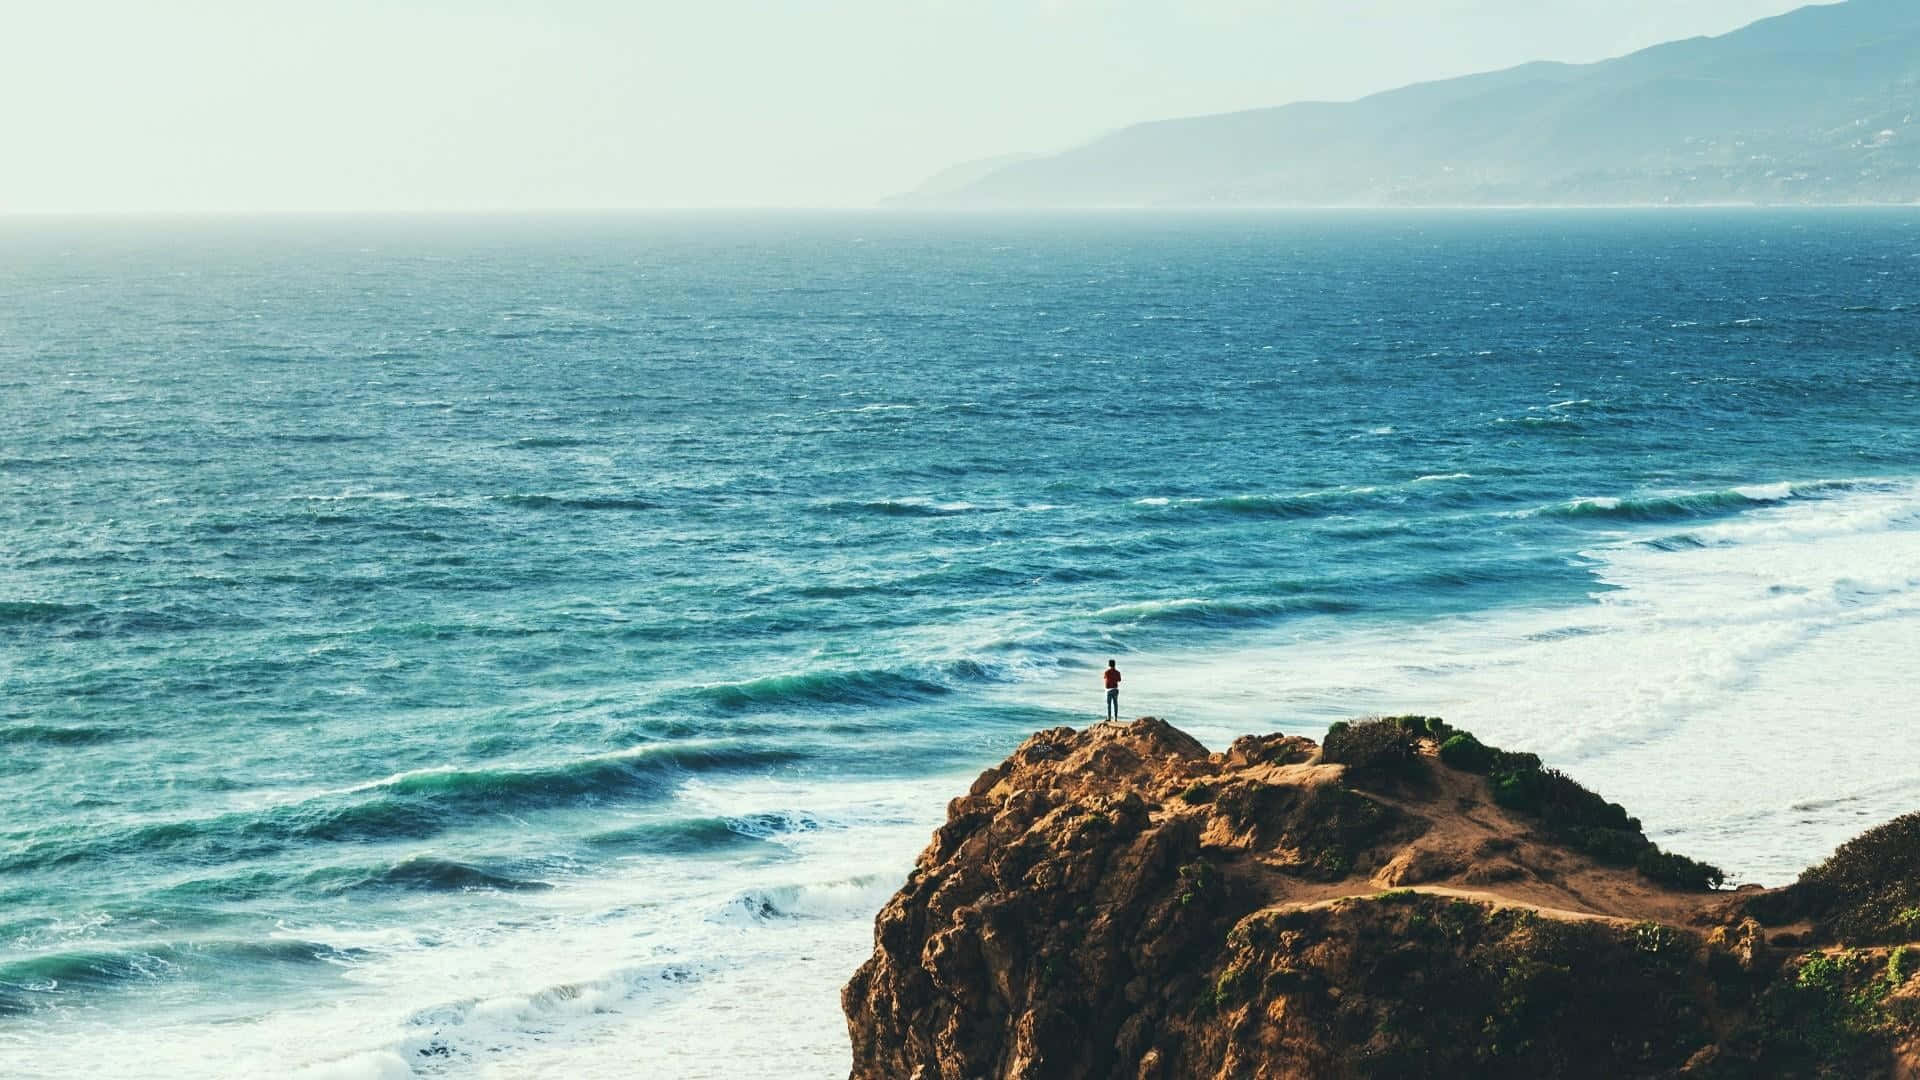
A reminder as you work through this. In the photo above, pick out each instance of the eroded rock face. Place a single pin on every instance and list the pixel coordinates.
(1119, 902)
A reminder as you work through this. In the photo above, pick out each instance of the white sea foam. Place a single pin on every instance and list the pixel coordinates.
(722, 967)
(370, 1065)
(1766, 492)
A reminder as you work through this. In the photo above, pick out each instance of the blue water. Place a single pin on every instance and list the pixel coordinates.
(434, 646)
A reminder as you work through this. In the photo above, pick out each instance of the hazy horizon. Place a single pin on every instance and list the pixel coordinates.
(221, 107)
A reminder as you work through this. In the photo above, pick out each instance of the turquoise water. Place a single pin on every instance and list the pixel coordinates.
(511, 646)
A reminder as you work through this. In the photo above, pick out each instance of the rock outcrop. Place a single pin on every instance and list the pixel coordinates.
(1119, 902)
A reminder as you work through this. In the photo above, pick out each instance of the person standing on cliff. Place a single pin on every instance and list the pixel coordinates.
(1112, 676)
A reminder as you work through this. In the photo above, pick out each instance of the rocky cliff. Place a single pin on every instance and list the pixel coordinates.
(1400, 902)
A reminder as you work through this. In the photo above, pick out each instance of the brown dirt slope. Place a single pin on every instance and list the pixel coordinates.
(1119, 902)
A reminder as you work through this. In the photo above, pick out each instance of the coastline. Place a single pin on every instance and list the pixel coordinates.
(410, 670)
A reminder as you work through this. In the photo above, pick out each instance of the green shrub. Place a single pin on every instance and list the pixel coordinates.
(1379, 748)
(1198, 881)
(1678, 871)
(1574, 815)
(1868, 891)
(1197, 793)
(1615, 847)
(1520, 783)
(1520, 790)
(1234, 985)
(1836, 1004)
(1466, 753)
(1424, 727)
(1509, 761)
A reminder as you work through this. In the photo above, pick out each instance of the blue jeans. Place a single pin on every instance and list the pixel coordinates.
(1113, 703)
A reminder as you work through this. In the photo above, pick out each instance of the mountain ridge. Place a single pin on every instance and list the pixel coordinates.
(1812, 106)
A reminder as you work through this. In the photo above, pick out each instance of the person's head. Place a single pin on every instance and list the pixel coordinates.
(1109, 663)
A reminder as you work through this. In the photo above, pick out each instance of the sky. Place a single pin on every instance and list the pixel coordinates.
(251, 106)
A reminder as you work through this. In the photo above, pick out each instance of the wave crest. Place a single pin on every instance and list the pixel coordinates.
(50, 979)
(409, 806)
(577, 502)
(426, 873)
(911, 507)
(828, 689)
(1684, 505)
(1215, 612)
(54, 735)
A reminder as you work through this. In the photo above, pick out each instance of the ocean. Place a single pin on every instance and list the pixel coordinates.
(537, 646)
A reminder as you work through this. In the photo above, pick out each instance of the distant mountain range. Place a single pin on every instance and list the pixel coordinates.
(1814, 106)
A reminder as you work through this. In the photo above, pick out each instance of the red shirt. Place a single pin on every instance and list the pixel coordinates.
(1113, 677)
